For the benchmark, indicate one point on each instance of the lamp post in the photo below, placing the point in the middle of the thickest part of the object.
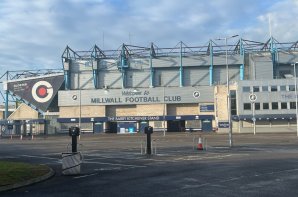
(228, 89)
(164, 112)
(296, 99)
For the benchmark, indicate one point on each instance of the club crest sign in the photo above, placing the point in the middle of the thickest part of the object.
(42, 91)
(37, 91)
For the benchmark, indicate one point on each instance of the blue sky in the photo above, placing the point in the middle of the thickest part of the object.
(34, 33)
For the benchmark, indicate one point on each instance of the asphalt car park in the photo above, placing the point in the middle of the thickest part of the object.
(116, 165)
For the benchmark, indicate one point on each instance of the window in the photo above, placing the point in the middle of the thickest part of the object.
(233, 102)
(265, 105)
(256, 89)
(246, 89)
(283, 88)
(257, 106)
(284, 105)
(291, 87)
(264, 88)
(273, 88)
(247, 106)
(292, 105)
(274, 105)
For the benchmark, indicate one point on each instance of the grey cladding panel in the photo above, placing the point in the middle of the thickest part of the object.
(261, 66)
(79, 65)
(139, 63)
(232, 59)
(86, 80)
(166, 77)
(111, 79)
(108, 64)
(287, 57)
(166, 62)
(196, 60)
(196, 76)
(220, 74)
(138, 78)
(74, 81)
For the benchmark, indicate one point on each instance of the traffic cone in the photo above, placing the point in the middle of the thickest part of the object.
(200, 145)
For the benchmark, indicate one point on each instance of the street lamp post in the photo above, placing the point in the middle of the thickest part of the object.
(228, 89)
(296, 99)
(164, 112)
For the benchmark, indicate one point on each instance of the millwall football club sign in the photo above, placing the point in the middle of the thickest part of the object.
(37, 91)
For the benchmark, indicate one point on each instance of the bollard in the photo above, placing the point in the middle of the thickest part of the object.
(148, 131)
(74, 132)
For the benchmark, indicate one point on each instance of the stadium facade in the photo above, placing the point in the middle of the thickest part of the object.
(172, 89)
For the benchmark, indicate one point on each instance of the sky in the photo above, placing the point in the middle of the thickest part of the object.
(34, 33)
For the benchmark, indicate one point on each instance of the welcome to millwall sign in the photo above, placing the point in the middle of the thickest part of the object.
(129, 96)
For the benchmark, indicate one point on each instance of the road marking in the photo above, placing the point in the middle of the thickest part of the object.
(38, 157)
(84, 176)
(114, 164)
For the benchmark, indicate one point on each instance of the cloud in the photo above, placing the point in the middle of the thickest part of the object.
(35, 33)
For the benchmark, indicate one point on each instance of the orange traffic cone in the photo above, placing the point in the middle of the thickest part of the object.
(200, 145)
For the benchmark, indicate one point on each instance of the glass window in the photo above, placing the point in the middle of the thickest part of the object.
(257, 106)
(246, 89)
(233, 102)
(283, 88)
(264, 88)
(247, 106)
(292, 105)
(256, 89)
(265, 105)
(284, 105)
(291, 87)
(273, 88)
(274, 105)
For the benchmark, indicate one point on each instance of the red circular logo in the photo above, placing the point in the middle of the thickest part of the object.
(42, 91)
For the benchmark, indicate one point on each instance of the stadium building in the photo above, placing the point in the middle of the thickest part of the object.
(199, 88)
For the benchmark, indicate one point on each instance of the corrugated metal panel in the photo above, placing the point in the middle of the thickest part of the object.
(166, 62)
(74, 81)
(287, 57)
(196, 76)
(77, 65)
(166, 77)
(232, 59)
(139, 63)
(86, 80)
(261, 66)
(138, 78)
(108, 64)
(220, 74)
(112, 79)
(196, 60)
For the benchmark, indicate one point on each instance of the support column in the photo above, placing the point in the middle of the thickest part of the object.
(95, 73)
(242, 57)
(152, 54)
(211, 63)
(181, 66)
(273, 51)
(123, 66)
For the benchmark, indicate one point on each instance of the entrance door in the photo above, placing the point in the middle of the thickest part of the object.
(143, 124)
(206, 125)
(112, 127)
(97, 127)
(176, 125)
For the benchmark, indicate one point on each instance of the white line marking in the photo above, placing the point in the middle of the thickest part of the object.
(114, 164)
(38, 157)
(83, 176)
